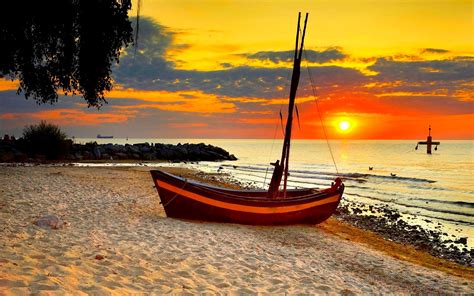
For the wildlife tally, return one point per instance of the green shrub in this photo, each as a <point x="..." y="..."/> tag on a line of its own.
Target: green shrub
<point x="46" y="139"/>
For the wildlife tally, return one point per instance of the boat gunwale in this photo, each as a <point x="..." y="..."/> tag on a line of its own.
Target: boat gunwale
<point x="201" y="184"/>
<point x="319" y="195"/>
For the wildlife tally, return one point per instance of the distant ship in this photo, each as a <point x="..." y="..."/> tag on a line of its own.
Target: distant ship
<point x="99" y="136"/>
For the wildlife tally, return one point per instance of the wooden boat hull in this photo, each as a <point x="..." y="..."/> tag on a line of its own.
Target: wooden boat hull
<point x="186" y="199"/>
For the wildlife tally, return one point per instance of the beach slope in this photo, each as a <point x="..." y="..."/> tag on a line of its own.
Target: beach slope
<point x="113" y="236"/>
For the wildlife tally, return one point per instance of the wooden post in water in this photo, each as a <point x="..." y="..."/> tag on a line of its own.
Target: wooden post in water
<point x="429" y="142"/>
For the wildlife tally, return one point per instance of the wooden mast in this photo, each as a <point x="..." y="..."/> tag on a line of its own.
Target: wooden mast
<point x="283" y="165"/>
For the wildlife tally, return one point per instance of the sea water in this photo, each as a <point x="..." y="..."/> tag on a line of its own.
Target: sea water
<point x="433" y="190"/>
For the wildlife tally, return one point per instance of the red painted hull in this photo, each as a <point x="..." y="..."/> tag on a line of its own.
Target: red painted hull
<point x="191" y="200"/>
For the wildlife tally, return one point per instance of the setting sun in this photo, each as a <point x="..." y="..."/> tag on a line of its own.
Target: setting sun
<point x="344" y="125"/>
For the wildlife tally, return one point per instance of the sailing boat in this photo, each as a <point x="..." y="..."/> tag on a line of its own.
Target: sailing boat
<point x="187" y="199"/>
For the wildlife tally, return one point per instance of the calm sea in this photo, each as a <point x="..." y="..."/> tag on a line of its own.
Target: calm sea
<point x="437" y="188"/>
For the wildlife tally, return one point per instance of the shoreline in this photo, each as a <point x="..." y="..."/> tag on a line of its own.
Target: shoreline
<point x="117" y="239"/>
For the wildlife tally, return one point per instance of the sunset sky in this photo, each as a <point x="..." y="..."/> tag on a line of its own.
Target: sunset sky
<point x="221" y="69"/>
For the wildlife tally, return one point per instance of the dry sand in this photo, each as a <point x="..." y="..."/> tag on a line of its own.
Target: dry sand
<point x="115" y="213"/>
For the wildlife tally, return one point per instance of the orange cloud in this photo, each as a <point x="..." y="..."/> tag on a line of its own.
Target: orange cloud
<point x="70" y="117"/>
<point x="9" y="116"/>
<point x="259" y="120"/>
<point x="8" y="84"/>
<point x="181" y="101"/>
<point x="197" y="107"/>
<point x="413" y="94"/>
<point x="264" y="112"/>
<point x="187" y="125"/>
<point x="247" y="100"/>
<point x="299" y="100"/>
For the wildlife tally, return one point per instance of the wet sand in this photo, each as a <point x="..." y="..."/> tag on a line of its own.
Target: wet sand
<point x="117" y="239"/>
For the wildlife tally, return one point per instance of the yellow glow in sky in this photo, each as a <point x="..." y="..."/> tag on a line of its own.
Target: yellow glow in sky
<point x="216" y="31"/>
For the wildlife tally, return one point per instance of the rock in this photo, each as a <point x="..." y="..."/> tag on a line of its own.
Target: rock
<point x="99" y="257"/>
<point x="49" y="222"/>
<point x="462" y="240"/>
<point x="164" y="152"/>
<point x="21" y="157"/>
<point x="87" y="155"/>
<point x="143" y="147"/>
<point x="97" y="152"/>
<point x="149" y="156"/>
<point x="121" y="155"/>
<point x="146" y="144"/>
<point x="12" y="152"/>
<point x="133" y="149"/>
<point x="78" y="156"/>
<point x="39" y="158"/>
<point x="6" y="155"/>
<point x="400" y="231"/>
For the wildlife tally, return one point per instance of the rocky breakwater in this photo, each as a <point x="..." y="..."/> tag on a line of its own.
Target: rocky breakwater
<point x="147" y="151"/>
<point x="11" y="152"/>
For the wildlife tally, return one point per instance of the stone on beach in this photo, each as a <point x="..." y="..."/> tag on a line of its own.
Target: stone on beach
<point x="49" y="222"/>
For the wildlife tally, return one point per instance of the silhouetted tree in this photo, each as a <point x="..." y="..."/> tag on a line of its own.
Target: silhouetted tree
<point x="68" y="45"/>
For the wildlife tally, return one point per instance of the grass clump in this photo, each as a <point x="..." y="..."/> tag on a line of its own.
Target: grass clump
<point x="47" y="140"/>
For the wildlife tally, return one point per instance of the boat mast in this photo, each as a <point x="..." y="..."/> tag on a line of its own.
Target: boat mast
<point x="295" y="77"/>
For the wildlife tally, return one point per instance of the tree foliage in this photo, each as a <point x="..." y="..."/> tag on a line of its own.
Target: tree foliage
<point x="45" y="139"/>
<point x="63" y="45"/>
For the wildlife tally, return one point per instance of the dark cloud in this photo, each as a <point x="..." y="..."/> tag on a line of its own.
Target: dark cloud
<point x="434" y="50"/>
<point x="11" y="102"/>
<point x="448" y="80"/>
<point x="151" y="69"/>
<point x="226" y="65"/>
<point x="463" y="58"/>
<point x="240" y="81"/>
<point x="445" y="105"/>
<point x="313" y="56"/>
<point x="150" y="56"/>
<point x="423" y="71"/>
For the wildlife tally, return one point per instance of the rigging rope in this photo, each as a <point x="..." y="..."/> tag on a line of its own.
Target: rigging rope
<point x="317" y="110"/>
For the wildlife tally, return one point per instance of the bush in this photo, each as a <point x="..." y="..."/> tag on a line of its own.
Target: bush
<point x="46" y="139"/>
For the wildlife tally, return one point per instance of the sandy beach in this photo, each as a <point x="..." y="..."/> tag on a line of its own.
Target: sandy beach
<point x="116" y="239"/>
